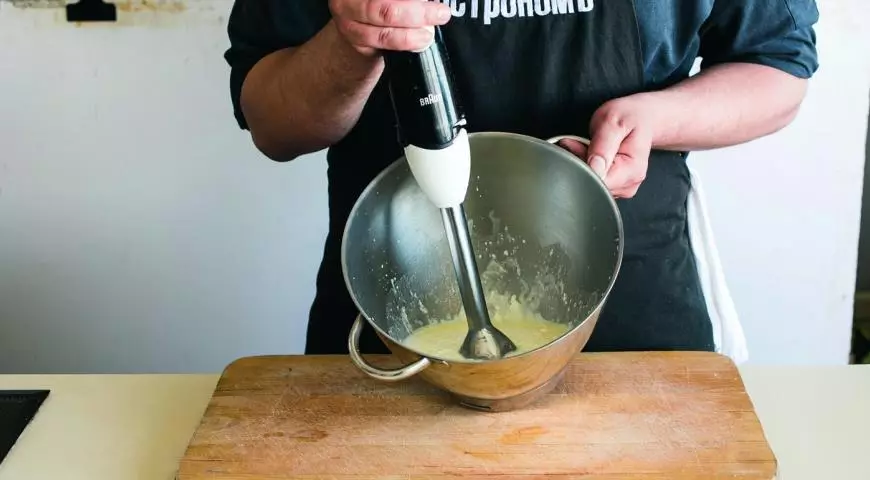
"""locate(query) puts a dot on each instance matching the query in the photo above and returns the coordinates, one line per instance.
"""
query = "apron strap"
(727, 331)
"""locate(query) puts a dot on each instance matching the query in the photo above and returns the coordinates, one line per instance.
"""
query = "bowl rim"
(561, 152)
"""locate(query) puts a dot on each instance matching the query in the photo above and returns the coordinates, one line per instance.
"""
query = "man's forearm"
(297, 101)
(726, 105)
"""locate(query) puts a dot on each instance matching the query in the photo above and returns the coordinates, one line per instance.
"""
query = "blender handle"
(393, 375)
(426, 105)
(557, 138)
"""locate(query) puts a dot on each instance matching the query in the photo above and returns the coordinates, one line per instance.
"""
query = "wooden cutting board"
(616, 416)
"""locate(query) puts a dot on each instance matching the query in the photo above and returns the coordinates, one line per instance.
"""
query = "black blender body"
(428, 111)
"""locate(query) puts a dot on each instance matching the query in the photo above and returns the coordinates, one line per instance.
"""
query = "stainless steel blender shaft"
(483, 341)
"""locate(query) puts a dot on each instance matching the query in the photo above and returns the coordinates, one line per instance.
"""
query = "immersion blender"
(432, 131)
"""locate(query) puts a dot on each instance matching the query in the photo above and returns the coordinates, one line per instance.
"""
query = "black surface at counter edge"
(17, 409)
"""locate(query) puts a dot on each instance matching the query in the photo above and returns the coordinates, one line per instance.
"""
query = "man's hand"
(373, 25)
(620, 145)
(724, 105)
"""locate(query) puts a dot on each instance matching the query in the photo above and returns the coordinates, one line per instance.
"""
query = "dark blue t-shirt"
(673, 33)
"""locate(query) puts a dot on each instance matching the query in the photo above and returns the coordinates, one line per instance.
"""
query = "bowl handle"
(395, 375)
(554, 140)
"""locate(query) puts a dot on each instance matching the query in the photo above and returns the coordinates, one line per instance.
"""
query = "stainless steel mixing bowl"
(544, 228)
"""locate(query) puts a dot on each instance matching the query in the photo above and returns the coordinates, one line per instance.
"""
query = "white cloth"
(728, 333)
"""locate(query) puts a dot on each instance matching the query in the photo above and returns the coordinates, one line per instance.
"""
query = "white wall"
(140, 230)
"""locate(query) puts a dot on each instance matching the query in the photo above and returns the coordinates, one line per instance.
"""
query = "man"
(306, 75)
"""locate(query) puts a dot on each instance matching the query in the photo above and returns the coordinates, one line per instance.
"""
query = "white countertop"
(120, 427)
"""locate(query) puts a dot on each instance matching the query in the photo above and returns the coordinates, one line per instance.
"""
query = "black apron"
(540, 68)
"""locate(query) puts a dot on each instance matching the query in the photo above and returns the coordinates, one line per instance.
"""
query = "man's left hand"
(620, 145)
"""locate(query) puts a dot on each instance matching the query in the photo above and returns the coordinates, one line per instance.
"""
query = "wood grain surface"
(616, 416)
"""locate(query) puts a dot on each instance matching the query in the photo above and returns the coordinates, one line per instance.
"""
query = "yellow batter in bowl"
(528, 331)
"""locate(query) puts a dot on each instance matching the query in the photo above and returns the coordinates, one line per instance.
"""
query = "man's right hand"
(374, 25)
